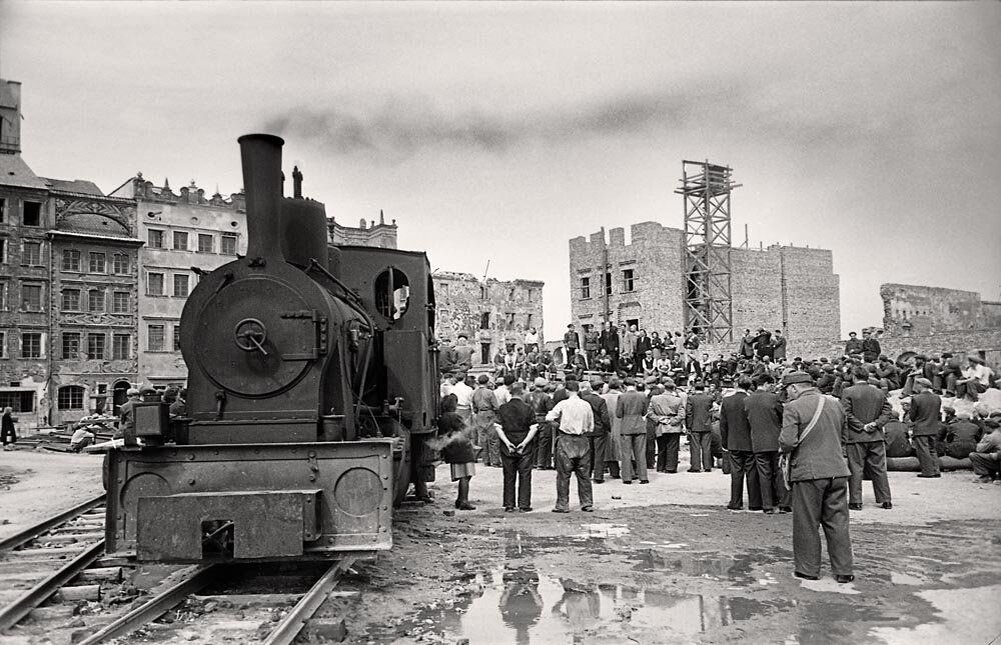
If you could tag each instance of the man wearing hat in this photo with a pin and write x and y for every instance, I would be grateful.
(854, 345)
(867, 411)
(925, 415)
(698, 418)
(541, 403)
(870, 348)
(735, 433)
(631, 407)
(598, 436)
(811, 437)
(127, 414)
(668, 409)
(976, 379)
(986, 459)
(571, 343)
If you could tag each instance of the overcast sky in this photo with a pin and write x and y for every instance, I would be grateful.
(499, 131)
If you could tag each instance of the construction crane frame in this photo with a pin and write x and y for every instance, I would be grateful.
(705, 190)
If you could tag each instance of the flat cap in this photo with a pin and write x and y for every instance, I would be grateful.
(796, 377)
(540, 382)
(923, 381)
(668, 382)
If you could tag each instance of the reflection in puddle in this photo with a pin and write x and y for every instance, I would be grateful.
(701, 565)
(522, 606)
(964, 615)
(604, 530)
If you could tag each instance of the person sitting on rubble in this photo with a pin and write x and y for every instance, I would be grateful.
(986, 459)
(886, 372)
(976, 379)
(82, 436)
(961, 435)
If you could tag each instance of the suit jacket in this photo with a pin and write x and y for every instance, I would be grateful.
(631, 408)
(609, 339)
(642, 344)
(571, 340)
(864, 403)
(699, 412)
(925, 414)
(764, 416)
(819, 455)
(734, 429)
(602, 424)
(870, 349)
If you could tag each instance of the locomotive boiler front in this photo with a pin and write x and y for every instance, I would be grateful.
(269, 466)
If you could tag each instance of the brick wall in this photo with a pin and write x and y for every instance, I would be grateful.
(923, 310)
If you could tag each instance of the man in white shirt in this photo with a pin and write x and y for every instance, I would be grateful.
(573, 449)
(976, 379)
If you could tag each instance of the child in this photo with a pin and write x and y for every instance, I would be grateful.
(458, 450)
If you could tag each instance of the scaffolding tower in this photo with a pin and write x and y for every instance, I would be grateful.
(705, 189)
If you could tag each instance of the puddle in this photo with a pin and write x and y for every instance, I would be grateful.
(522, 605)
(899, 578)
(716, 566)
(604, 530)
(963, 616)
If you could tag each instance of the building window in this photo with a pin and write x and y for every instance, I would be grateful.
(528, 321)
(510, 320)
(95, 300)
(511, 295)
(627, 280)
(32, 213)
(205, 244)
(3, 250)
(3, 296)
(585, 288)
(484, 292)
(120, 302)
(180, 285)
(485, 320)
(442, 289)
(154, 284)
(31, 344)
(531, 295)
(71, 345)
(120, 345)
(121, 263)
(177, 338)
(95, 346)
(98, 263)
(3, 344)
(154, 239)
(32, 254)
(154, 338)
(180, 241)
(70, 397)
(228, 244)
(31, 297)
(3, 209)
(71, 260)
(18, 401)
(71, 300)
(608, 284)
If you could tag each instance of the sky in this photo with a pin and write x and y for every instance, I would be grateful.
(497, 132)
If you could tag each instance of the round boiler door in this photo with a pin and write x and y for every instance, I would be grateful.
(257, 336)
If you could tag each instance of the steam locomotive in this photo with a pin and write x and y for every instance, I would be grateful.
(311, 386)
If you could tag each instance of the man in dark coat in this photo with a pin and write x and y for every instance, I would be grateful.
(599, 434)
(866, 413)
(571, 343)
(698, 418)
(961, 437)
(870, 348)
(925, 415)
(517, 449)
(735, 433)
(812, 426)
(764, 417)
(608, 339)
(778, 346)
(631, 408)
(854, 345)
(747, 345)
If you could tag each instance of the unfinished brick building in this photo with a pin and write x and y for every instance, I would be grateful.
(492, 314)
(790, 288)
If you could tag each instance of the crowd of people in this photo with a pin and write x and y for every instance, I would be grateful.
(623, 415)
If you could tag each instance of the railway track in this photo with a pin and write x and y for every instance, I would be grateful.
(57, 585)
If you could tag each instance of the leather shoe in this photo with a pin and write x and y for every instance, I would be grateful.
(735, 508)
(527, 509)
(560, 510)
(695, 471)
(754, 508)
(466, 506)
(855, 507)
(598, 481)
(930, 476)
(644, 481)
(886, 505)
(587, 509)
(804, 576)
(785, 509)
(844, 579)
(627, 481)
(509, 509)
(770, 511)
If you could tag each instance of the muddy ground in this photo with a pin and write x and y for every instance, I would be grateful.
(663, 563)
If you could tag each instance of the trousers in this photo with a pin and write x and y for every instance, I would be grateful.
(517, 473)
(651, 446)
(573, 457)
(544, 446)
(868, 457)
(773, 491)
(667, 452)
(985, 464)
(816, 503)
(924, 448)
(700, 446)
(633, 454)
(742, 466)
(599, 448)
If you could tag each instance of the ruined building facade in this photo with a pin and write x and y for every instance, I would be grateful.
(492, 314)
(381, 235)
(911, 310)
(790, 288)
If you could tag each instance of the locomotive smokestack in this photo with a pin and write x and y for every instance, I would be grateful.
(262, 180)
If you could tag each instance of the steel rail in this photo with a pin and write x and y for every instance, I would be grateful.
(156, 606)
(32, 532)
(290, 626)
(22, 606)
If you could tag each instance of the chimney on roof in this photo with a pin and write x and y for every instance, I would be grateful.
(296, 183)
(10, 117)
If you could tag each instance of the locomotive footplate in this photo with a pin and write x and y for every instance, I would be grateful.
(275, 501)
